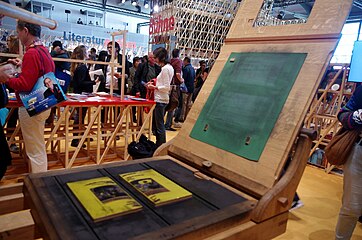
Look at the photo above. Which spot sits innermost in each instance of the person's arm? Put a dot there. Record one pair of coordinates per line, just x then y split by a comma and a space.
178, 70
351, 114
3, 75
29, 73
85, 77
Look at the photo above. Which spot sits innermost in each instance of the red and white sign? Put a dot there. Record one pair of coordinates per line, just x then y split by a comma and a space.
158, 25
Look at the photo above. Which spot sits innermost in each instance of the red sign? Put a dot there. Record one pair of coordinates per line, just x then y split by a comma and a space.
158, 25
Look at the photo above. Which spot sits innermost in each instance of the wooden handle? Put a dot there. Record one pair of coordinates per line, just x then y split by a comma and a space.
311, 133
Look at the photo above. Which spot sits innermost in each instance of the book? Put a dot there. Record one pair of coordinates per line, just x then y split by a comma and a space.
156, 187
45, 94
102, 198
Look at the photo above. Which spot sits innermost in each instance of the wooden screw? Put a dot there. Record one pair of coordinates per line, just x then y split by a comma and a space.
283, 201
207, 164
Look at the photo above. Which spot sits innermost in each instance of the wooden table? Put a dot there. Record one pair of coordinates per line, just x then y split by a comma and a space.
119, 123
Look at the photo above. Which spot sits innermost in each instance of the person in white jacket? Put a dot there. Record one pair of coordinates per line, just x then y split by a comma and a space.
161, 87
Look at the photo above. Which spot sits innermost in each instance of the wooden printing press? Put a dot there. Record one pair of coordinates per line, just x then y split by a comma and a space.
232, 150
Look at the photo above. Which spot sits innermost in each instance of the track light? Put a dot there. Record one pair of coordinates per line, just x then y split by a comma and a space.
134, 2
146, 4
123, 1
155, 8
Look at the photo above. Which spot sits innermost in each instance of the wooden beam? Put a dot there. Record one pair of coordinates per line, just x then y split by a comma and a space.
17, 225
266, 230
11, 203
10, 189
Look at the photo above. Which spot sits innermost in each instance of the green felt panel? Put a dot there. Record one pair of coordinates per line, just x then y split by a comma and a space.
246, 101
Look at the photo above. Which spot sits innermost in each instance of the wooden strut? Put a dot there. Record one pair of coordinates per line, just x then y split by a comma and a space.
278, 200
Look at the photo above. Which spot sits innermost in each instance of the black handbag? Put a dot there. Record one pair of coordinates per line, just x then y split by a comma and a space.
173, 98
4, 99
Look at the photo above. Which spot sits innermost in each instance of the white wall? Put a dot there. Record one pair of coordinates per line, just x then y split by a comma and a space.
136, 43
112, 20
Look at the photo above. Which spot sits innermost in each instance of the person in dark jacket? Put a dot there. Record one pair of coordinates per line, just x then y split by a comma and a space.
118, 72
351, 118
201, 75
102, 58
81, 83
59, 52
188, 73
145, 72
5, 156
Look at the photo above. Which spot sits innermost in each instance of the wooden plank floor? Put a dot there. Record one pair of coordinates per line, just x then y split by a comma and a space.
321, 194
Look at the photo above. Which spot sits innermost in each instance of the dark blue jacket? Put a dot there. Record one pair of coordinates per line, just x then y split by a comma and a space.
188, 74
349, 114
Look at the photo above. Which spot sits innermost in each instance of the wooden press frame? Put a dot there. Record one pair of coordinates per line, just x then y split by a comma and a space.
318, 38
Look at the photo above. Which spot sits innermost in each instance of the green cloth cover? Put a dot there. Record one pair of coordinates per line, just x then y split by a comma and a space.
246, 101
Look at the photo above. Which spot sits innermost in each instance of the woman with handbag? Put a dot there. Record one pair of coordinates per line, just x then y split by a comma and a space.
351, 118
161, 92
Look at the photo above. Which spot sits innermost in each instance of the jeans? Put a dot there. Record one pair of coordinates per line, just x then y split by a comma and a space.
186, 105
158, 125
178, 110
352, 195
169, 117
32, 129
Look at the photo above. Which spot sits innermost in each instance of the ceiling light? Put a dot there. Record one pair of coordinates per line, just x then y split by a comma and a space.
155, 8
123, 1
146, 4
134, 2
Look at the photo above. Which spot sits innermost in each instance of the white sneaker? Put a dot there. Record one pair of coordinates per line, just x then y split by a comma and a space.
177, 125
296, 205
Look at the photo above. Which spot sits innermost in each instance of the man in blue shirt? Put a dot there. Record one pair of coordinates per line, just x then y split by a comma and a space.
188, 74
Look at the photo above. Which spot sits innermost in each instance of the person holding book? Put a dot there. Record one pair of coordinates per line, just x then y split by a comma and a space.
36, 62
117, 81
82, 83
161, 88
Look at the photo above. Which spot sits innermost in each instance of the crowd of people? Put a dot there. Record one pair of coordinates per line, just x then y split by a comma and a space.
154, 73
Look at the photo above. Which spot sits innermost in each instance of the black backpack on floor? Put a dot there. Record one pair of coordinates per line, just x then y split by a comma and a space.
142, 149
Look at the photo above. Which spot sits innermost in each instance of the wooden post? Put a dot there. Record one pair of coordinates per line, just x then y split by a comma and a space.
124, 35
112, 65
